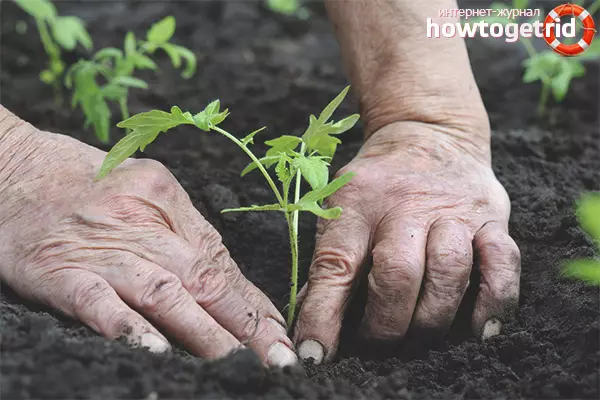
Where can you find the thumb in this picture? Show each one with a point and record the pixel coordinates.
(341, 248)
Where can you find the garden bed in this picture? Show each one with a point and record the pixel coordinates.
(274, 71)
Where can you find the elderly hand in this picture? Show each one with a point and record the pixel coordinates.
(127, 255)
(422, 204)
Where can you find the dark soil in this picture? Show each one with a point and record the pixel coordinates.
(274, 71)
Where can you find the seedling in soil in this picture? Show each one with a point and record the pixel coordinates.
(288, 7)
(56, 32)
(293, 157)
(588, 213)
(115, 69)
(554, 71)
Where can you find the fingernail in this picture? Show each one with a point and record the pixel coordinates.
(280, 327)
(154, 343)
(311, 349)
(281, 356)
(492, 327)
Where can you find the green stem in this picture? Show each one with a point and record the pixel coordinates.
(293, 228)
(259, 165)
(541, 108)
(124, 111)
(594, 7)
(53, 52)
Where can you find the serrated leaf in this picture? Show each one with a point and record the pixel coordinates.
(344, 125)
(587, 270)
(268, 162)
(210, 116)
(130, 81)
(313, 207)
(68, 31)
(162, 31)
(129, 45)
(113, 92)
(588, 213)
(250, 137)
(333, 105)
(39, 9)
(143, 62)
(282, 171)
(329, 189)
(284, 144)
(145, 127)
(109, 52)
(267, 207)
(313, 169)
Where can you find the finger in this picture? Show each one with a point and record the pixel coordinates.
(395, 279)
(90, 299)
(341, 249)
(160, 296)
(189, 224)
(447, 271)
(500, 270)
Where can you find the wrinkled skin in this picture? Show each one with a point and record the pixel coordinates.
(128, 255)
(423, 205)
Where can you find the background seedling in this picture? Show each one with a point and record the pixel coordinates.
(293, 157)
(554, 71)
(115, 68)
(55, 32)
(288, 7)
(588, 213)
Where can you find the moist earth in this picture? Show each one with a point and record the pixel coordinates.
(274, 70)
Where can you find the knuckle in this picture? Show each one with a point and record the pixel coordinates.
(157, 177)
(332, 263)
(449, 265)
(163, 292)
(399, 267)
(209, 286)
(117, 323)
(87, 293)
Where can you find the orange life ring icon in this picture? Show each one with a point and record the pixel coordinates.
(589, 29)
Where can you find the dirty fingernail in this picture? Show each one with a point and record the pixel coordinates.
(492, 327)
(280, 327)
(311, 349)
(154, 343)
(281, 356)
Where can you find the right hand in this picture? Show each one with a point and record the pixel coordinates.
(125, 255)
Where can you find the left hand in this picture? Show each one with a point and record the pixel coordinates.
(422, 204)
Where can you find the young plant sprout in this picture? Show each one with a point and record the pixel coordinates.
(588, 213)
(293, 157)
(554, 71)
(56, 32)
(116, 69)
(288, 7)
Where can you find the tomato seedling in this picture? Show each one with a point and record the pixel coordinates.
(115, 68)
(588, 213)
(55, 32)
(293, 157)
(554, 71)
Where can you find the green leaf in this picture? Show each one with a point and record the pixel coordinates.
(268, 162)
(587, 270)
(143, 62)
(162, 31)
(129, 81)
(68, 31)
(109, 52)
(588, 213)
(145, 127)
(328, 190)
(267, 207)
(344, 125)
(210, 116)
(314, 170)
(333, 105)
(113, 91)
(286, 7)
(569, 68)
(281, 169)
(38, 9)
(190, 61)
(173, 54)
(284, 144)
(250, 137)
(313, 207)
(129, 45)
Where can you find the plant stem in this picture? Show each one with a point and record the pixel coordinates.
(594, 7)
(260, 167)
(293, 228)
(124, 112)
(541, 108)
(53, 52)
